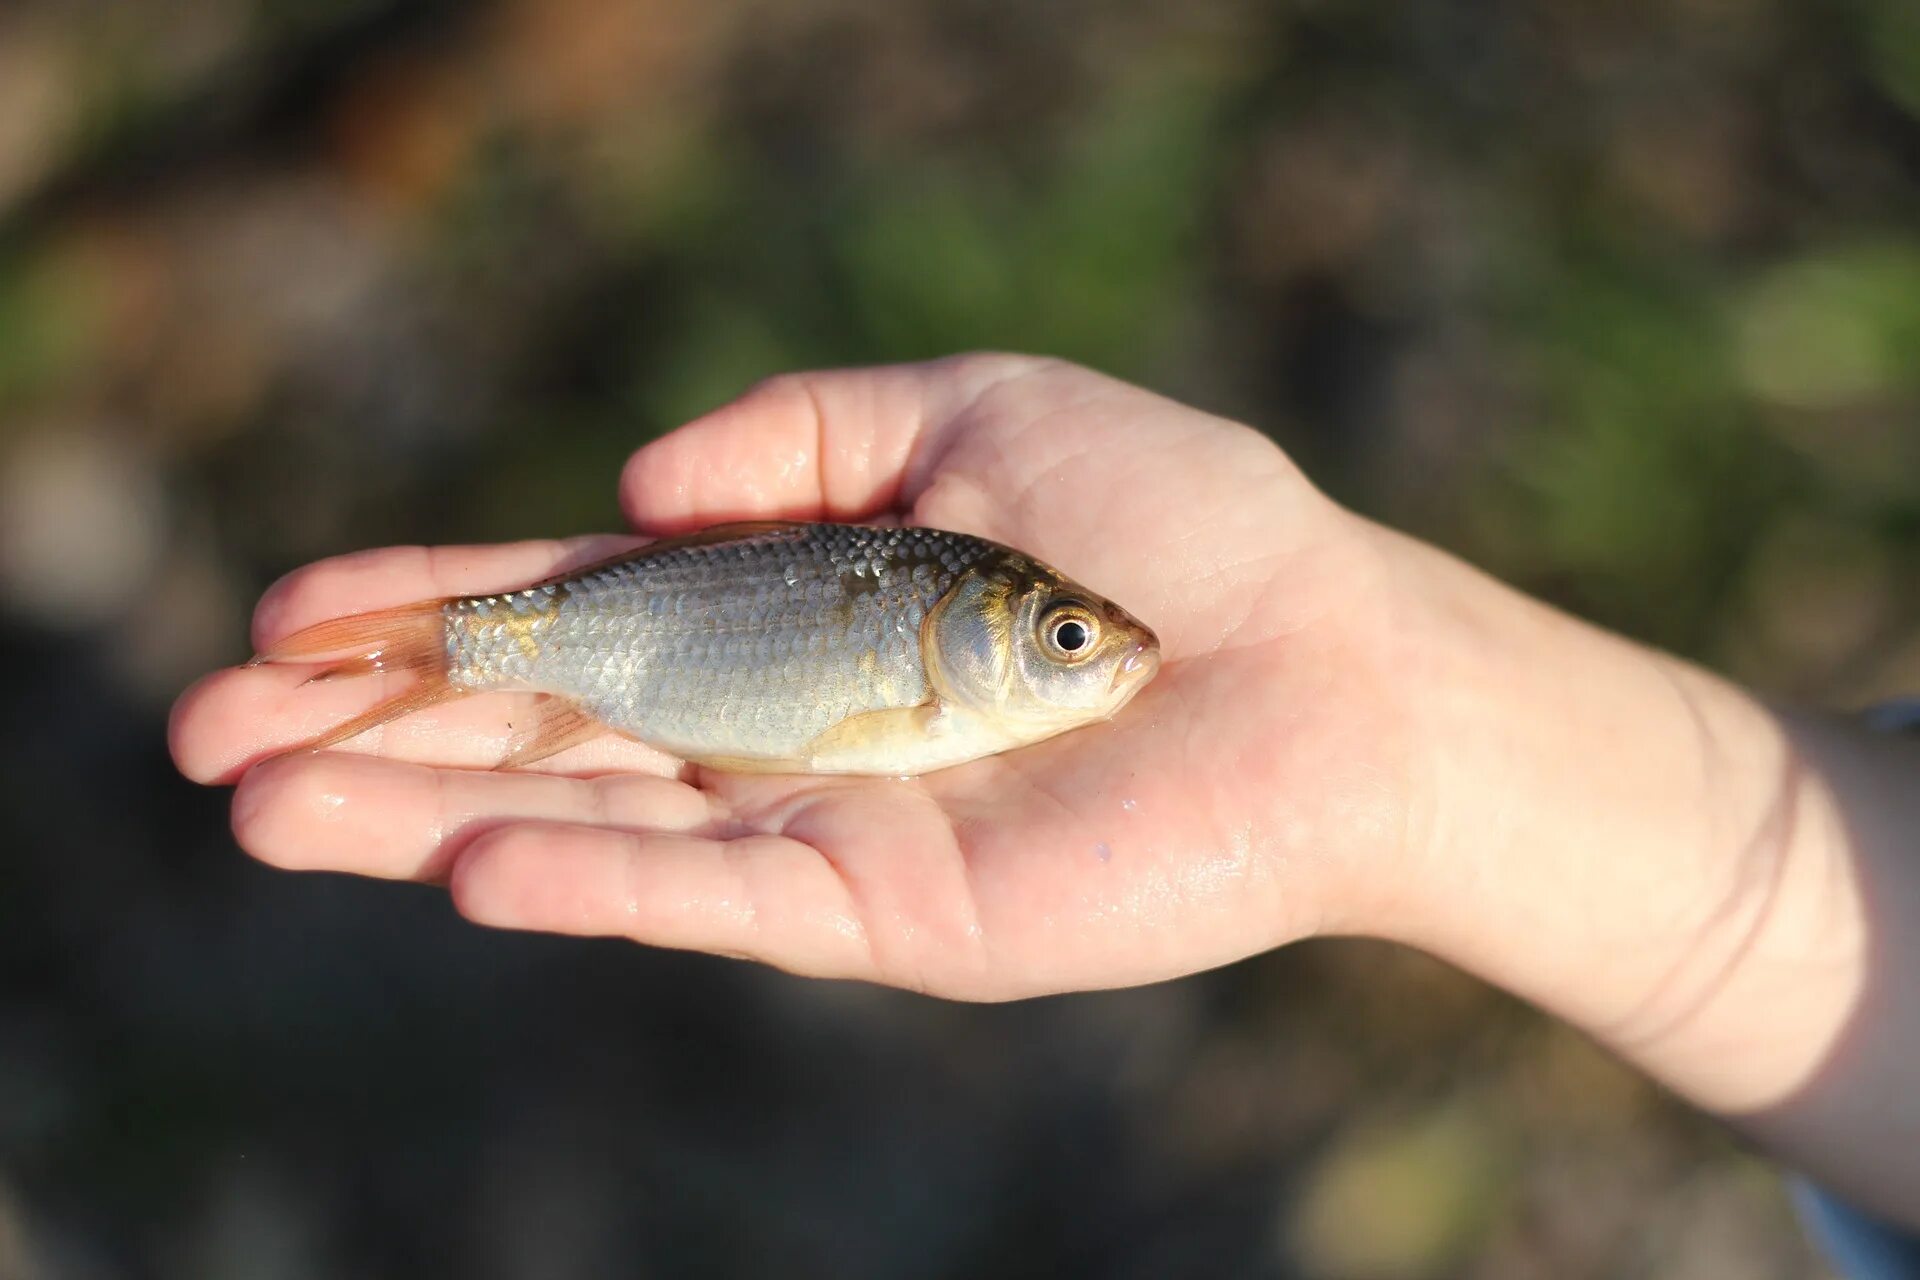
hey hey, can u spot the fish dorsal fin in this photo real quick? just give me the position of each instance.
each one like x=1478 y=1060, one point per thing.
x=709 y=536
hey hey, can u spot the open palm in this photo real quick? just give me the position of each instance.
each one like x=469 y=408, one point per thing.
x=1256 y=791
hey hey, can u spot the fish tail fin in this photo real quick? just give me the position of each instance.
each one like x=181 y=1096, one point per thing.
x=410 y=639
x=430 y=691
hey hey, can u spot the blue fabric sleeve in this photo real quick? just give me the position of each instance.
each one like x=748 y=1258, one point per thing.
x=1857 y=1245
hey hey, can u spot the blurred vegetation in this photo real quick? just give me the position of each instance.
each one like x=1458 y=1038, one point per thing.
x=1621 y=300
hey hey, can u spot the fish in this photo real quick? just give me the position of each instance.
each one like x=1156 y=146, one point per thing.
x=766 y=647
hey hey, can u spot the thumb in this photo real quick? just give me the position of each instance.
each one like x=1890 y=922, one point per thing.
x=842 y=444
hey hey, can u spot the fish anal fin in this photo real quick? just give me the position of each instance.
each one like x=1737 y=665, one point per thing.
x=557 y=725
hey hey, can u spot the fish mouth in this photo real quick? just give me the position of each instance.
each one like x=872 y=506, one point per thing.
x=1136 y=669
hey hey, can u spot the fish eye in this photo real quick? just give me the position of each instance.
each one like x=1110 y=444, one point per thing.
x=1070 y=633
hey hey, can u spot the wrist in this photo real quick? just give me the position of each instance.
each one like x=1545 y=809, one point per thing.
x=1624 y=840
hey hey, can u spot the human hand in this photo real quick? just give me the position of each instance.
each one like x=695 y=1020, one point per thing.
x=1253 y=793
x=1350 y=733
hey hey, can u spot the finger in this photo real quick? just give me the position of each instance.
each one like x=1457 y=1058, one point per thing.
x=764 y=897
x=238 y=717
x=333 y=812
x=387 y=576
x=844 y=444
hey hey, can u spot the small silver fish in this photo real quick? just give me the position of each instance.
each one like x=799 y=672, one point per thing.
x=770 y=647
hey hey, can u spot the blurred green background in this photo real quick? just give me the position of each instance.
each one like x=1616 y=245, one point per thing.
x=1619 y=299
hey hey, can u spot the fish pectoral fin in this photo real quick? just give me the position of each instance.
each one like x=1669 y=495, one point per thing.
x=868 y=737
x=865 y=742
x=557 y=725
x=746 y=764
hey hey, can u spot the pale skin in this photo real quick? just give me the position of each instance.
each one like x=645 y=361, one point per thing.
x=1352 y=734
